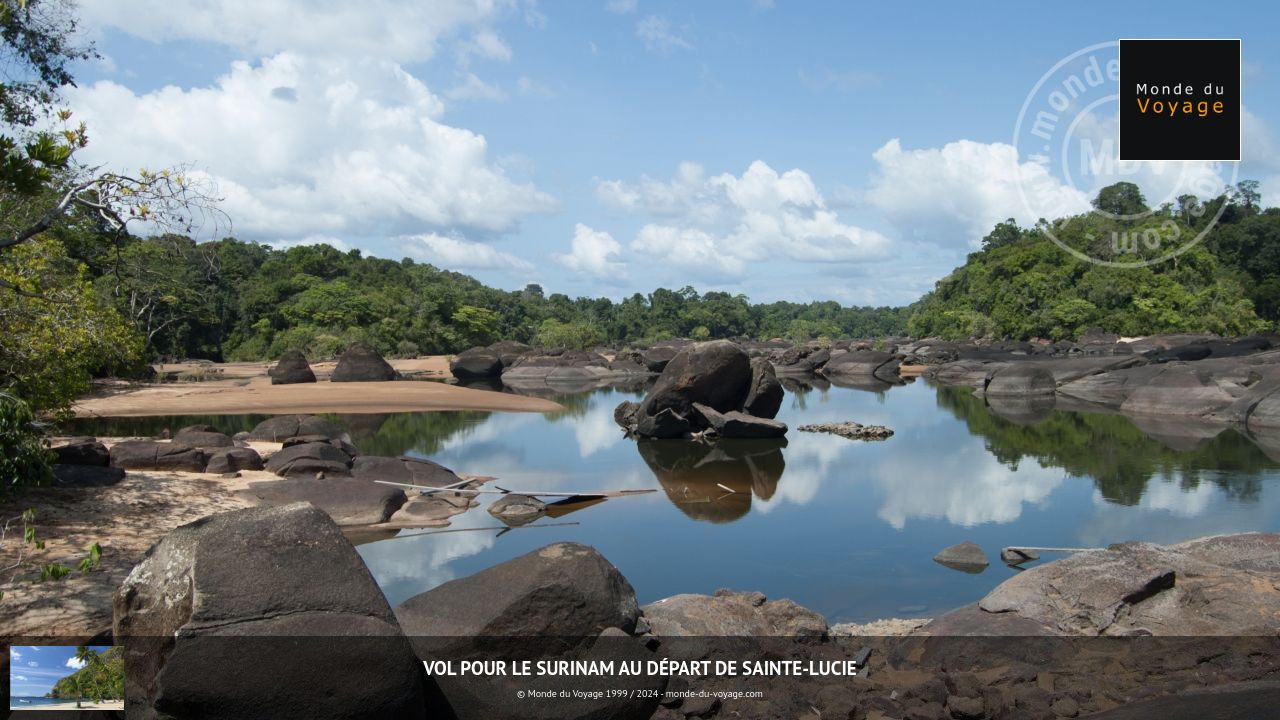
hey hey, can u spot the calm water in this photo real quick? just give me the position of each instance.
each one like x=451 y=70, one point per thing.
x=844 y=527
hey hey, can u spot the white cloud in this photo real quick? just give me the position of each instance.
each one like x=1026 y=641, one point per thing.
x=721 y=223
x=33 y=663
x=75 y=664
x=622 y=6
x=359 y=150
x=455 y=253
x=960 y=191
x=485 y=44
x=14 y=654
x=20 y=677
x=656 y=32
x=473 y=88
x=592 y=253
x=388 y=29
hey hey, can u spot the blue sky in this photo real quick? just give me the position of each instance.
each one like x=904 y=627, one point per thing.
x=608 y=147
x=34 y=670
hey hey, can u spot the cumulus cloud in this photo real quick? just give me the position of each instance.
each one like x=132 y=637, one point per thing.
x=721 y=223
x=75 y=664
x=485 y=44
x=656 y=32
x=14 y=654
x=401 y=30
x=592 y=253
x=359 y=149
x=455 y=253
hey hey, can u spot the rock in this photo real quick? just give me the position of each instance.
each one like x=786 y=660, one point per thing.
x=1224 y=702
x=966 y=708
x=347 y=501
x=152 y=455
x=699 y=706
x=508 y=351
x=656 y=358
x=665 y=425
x=764 y=398
x=1065 y=707
x=478 y=362
x=339 y=443
x=283 y=427
x=565 y=594
x=201 y=438
x=272 y=589
x=1217 y=586
x=411 y=471
x=737 y=425
x=730 y=614
x=717 y=374
x=85 y=475
x=1096 y=335
x=232 y=460
x=1021 y=379
x=1184 y=353
x=361 y=363
x=965 y=557
x=1110 y=388
x=851 y=430
x=82 y=451
x=625 y=415
x=864 y=362
x=309 y=458
x=517 y=509
x=292 y=368
x=1183 y=391
x=1018 y=556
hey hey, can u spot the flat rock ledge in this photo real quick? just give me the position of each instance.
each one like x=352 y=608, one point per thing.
x=851 y=430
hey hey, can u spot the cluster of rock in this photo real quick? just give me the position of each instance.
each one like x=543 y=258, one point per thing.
x=273 y=588
x=556 y=369
x=712 y=389
x=358 y=363
x=850 y=430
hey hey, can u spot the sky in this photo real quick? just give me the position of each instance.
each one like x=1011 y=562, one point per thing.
x=784 y=150
x=34 y=670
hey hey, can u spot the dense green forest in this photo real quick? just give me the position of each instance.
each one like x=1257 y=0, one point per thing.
x=101 y=678
x=1020 y=285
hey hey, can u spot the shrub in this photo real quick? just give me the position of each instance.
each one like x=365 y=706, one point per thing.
x=23 y=459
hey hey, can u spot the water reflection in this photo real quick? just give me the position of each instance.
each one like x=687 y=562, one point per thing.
x=715 y=482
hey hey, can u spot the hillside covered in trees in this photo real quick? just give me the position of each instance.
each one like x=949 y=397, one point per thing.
x=1021 y=285
x=102 y=676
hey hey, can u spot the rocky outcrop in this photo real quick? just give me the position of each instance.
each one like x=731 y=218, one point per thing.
x=1185 y=391
x=202 y=436
x=706 y=386
x=82 y=451
x=361 y=363
x=410 y=471
x=868 y=363
x=732 y=614
x=292 y=368
x=229 y=460
x=851 y=430
x=268 y=589
x=476 y=363
x=1021 y=380
x=346 y=500
x=154 y=455
x=308 y=459
x=283 y=427
x=764 y=399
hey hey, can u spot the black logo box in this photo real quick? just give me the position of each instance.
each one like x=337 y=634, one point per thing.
x=1185 y=67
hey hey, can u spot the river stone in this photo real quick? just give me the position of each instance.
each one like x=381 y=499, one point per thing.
x=716 y=374
x=1181 y=390
x=656 y=358
x=153 y=455
x=291 y=369
x=82 y=451
x=666 y=425
x=361 y=363
x=229 y=460
x=283 y=427
x=517 y=509
x=278 y=590
x=347 y=501
x=410 y=471
x=863 y=362
x=478 y=362
x=199 y=437
x=764 y=399
x=732 y=614
x=965 y=557
x=86 y=475
x=564 y=594
x=737 y=425
x=308 y=458
x=625 y=415
x=1021 y=379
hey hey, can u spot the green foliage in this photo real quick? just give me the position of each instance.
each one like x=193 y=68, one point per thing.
x=1022 y=286
x=23 y=459
x=101 y=678
x=54 y=571
x=573 y=335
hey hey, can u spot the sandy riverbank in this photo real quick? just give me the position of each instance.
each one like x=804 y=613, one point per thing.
x=244 y=388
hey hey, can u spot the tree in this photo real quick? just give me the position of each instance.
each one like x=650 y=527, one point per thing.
x=1122 y=199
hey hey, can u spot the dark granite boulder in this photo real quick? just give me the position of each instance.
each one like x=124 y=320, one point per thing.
x=347 y=501
x=410 y=471
x=202 y=437
x=478 y=362
x=291 y=369
x=81 y=476
x=82 y=451
x=361 y=363
x=283 y=427
x=764 y=399
x=309 y=458
x=229 y=460
x=152 y=455
x=1020 y=380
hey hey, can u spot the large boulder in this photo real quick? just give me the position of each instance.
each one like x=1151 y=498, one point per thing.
x=307 y=459
x=716 y=374
x=565 y=594
x=508 y=351
x=737 y=425
x=410 y=471
x=1181 y=390
x=202 y=436
x=292 y=368
x=82 y=476
x=732 y=614
x=1265 y=414
x=656 y=358
x=277 y=590
x=347 y=501
x=361 y=363
x=235 y=459
x=764 y=398
x=965 y=557
x=476 y=363
x=1021 y=380
x=82 y=451
x=1110 y=388
x=864 y=362
x=153 y=455
x=283 y=427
